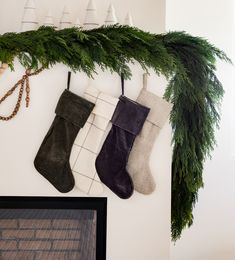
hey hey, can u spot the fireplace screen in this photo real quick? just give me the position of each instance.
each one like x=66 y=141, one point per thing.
x=36 y=228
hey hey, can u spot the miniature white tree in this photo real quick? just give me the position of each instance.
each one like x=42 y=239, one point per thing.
x=78 y=23
x=128 y=20
x=111 y=16
x=29 y=20
x=65 y=21
x=91 y=20
x=49 y=21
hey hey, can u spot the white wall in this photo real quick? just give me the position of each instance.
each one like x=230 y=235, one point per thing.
x=138 y=228
x=212 y=237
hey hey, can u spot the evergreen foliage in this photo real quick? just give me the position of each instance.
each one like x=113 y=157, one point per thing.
x=187 y=62
x=196 y=94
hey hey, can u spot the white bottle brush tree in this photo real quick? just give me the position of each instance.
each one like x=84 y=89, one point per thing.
x=91 y=20
x=49 y=21
x=65 y=21
x=78 y=23
x=128 y=20
x=111 y=18
x=29 y=20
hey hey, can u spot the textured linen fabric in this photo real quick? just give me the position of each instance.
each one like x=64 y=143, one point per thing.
x=88 y=141
x=138 y=163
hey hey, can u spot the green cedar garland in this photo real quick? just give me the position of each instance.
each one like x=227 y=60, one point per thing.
x=194 y=115
x=187 y=62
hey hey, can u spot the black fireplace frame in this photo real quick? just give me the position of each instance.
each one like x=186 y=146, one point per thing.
x=84 y=203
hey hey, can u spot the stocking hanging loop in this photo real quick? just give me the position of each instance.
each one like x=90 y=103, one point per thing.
x=68 y=80
x=145 y=80
x=122 y=84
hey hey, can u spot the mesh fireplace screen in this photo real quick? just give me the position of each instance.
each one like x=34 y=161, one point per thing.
x=52 y=228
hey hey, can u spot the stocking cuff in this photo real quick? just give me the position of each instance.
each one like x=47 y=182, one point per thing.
x=91 y=94
x=129 y=115
x=73 y=108
x=159 y=108
x=104 y=104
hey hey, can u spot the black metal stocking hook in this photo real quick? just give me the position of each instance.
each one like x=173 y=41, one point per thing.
x=68 y=80
x=122 y=83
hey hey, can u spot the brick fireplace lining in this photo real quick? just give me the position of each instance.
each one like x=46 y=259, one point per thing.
x=52 y=234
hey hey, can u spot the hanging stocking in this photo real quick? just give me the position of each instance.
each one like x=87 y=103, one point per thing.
x=138 y=164
x=88 y=141
x=127 y=121
x=52 y=160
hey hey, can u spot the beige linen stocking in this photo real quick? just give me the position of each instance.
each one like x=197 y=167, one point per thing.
x=138 y=163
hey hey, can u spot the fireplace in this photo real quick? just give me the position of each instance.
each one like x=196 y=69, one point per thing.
x=52 y=228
